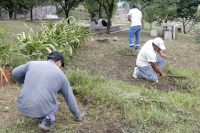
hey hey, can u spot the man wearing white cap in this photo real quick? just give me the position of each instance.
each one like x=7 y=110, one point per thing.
x=150 y=60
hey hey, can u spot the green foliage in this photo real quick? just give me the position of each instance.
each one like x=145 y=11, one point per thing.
x=150 y=14
x=167 y=9
x=92 y=6
x=67 y=5
x=3 y=35
x=187 y=84
x=8 y=53
x=19 y=6
x=52 y=37
x=4 y=47
x=109 y=7
x=186 y=9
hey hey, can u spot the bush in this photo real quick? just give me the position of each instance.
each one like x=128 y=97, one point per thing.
x=52 y=37
x=5 y=51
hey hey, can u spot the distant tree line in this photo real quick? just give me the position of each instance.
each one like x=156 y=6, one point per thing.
x=163 y=10
x=153 y=10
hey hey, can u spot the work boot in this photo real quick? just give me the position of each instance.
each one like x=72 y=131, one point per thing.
x=46 y=125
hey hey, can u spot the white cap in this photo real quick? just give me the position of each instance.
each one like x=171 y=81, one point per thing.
x=159 y=42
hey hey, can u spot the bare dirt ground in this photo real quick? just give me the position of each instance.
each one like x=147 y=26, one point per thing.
x=111 y=57
x=99 y=118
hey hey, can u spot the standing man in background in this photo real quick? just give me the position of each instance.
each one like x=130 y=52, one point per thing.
x=135 y=17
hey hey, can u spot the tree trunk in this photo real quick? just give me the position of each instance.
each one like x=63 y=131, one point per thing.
x=151 y=26
x=67 y=16
x=142 y=24
x=31 y=13
x=143 y=21
x=0 y=11
x=10 y=14
x=184 y=26
x=100 y=11
x=15 y=9
x=109 y=24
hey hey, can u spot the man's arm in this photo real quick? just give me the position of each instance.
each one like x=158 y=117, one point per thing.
x=157 y=69
x=161 y=54
x=67 y=93
x=19 y=73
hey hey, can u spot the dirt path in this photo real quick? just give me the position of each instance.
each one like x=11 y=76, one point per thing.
x=110 y=56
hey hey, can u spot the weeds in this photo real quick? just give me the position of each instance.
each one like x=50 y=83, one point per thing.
x=127 y=52
x=143 y=109
x=187 y=84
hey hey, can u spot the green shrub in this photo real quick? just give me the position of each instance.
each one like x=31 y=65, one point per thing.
x=52 y=37
x=5 y=51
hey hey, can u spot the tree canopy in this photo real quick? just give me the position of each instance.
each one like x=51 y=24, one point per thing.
x=67 y=5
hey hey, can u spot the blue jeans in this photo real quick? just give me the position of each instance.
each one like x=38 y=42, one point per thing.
x=148 y=73
x=134 y=32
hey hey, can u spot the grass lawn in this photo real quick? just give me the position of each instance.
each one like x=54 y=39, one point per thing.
x=100 y=73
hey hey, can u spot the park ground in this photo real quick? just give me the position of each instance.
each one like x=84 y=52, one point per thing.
x=100 y=73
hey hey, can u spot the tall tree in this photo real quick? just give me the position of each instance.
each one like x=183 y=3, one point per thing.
x=9 y=5
x=150 y=14
x=109 y=6
x=166 y=9
x=92 y=6
x=19 y=6
x=67 y=5
x=100 y=8
x=30 y=4
x=186 y=10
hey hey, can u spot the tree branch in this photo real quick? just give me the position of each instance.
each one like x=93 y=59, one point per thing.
x=107 y=1
x=71 y=4
x=104 y=6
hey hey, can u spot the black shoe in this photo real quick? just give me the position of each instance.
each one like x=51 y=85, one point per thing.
x=46 y=125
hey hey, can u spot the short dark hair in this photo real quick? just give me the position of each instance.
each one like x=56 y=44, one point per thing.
x=56 y=56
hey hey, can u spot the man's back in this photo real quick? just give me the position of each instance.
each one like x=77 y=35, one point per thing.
x=136 y=17
x=43 y=79
x=146 y=55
